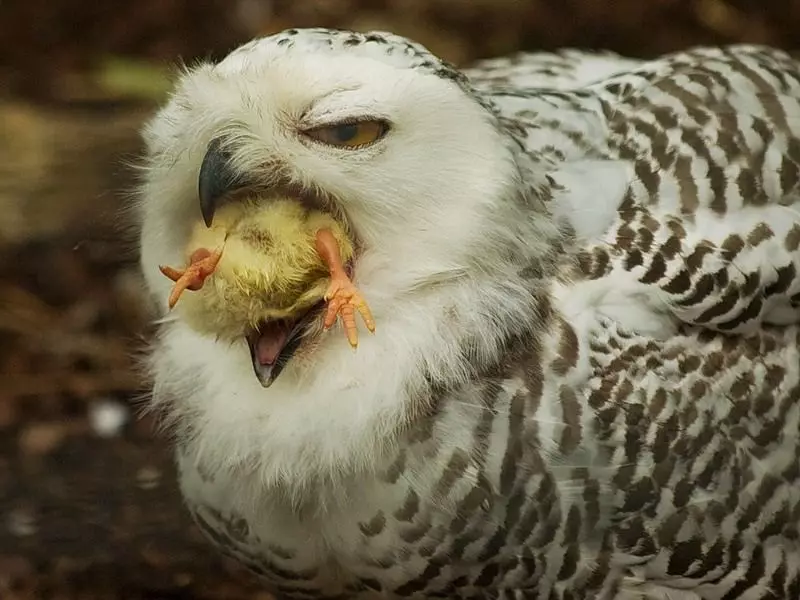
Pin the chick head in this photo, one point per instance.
(269, 268)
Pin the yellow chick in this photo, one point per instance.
(265, 261)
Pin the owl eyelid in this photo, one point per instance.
(348, 121)
(331, 125)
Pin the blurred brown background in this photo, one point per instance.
(88, 507)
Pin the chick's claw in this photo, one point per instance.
(342, 296)
(344, 300)
(202, 263)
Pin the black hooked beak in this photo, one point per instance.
(217, 178)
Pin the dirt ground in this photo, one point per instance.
(88, 503)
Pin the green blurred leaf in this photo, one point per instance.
(119, 76)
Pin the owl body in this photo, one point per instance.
(585, 385)
(635, 483)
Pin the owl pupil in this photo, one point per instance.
(345, 133)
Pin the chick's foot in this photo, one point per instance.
(342, 296)
(344, 300)
(202, 263)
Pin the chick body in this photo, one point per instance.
(269, 269)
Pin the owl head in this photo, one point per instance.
(373, 128)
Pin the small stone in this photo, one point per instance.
(8, 412)
(42, 438)
(108, 417)
(14, 567)
(148, 478)
(21, 522)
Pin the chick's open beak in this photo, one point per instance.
(216, 180)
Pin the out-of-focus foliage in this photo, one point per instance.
(46, 46)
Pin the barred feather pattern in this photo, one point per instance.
(595, 460)
(670, 471)
(709, 218)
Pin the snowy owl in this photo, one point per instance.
(585, 377)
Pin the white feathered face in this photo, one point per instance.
(376, 131)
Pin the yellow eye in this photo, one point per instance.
(349, 135)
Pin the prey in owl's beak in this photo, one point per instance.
(273, 342)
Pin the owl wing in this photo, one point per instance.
(708, 220)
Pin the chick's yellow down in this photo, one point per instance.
(265, 260)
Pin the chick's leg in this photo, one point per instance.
(202, 263)
(342, 296)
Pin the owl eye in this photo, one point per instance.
(349, 135)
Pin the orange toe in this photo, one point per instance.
(344, 300)
(202, 264)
